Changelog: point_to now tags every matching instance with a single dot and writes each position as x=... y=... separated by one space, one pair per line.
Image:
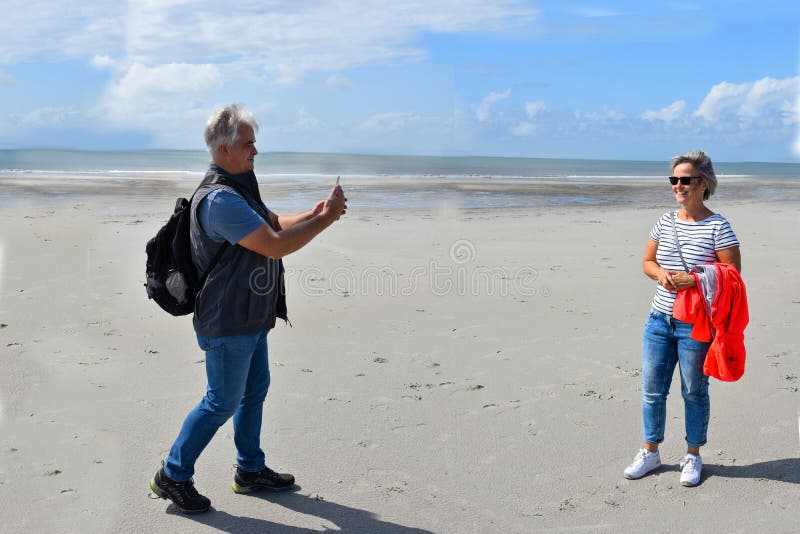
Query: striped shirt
x=698 y=241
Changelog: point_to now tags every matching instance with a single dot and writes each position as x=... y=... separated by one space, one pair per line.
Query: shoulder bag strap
x=678 y=243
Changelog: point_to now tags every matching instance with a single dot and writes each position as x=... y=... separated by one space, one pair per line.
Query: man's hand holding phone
x=336 y=204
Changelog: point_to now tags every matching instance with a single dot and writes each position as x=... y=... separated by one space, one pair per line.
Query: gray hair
x=222 y=127
x=702 y=164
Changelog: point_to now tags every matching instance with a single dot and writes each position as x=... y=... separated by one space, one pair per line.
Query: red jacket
x=729 y=317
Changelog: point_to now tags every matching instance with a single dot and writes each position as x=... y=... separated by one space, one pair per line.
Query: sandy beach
x=448 y=370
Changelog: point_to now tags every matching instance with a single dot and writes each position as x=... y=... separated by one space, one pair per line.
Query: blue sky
x=609 y=80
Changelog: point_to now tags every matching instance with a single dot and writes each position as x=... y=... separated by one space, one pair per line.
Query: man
x=236 y=307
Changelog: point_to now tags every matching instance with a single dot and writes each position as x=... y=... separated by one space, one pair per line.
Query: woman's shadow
x=787 y=470
x=347 y=520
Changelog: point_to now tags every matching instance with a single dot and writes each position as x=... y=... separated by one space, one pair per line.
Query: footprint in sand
x=567 y=506
x=530 y=428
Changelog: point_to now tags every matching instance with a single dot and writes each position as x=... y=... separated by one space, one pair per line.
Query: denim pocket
x=207 y=343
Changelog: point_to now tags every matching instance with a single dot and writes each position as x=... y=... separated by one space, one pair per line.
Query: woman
x=703 y=237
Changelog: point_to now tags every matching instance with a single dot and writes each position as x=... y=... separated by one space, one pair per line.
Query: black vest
x=245 y=291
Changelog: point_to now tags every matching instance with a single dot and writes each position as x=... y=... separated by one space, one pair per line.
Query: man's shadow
x=347 y=520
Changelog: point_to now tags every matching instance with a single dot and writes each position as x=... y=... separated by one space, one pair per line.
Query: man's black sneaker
x=182 y=494
x=266 y=479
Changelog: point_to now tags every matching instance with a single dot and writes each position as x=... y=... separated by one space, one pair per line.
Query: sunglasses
x=684 y=180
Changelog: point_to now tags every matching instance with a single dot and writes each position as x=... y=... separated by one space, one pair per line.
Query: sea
x=295 y=179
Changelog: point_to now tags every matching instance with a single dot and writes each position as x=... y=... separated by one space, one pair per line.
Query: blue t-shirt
x=225 y=216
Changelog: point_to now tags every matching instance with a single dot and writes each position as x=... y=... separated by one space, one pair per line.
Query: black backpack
x=172 y=279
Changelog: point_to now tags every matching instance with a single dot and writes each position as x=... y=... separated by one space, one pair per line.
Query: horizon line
x=367 y=154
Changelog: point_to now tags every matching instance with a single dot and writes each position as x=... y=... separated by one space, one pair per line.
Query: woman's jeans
x=238 y=379
x=667 y=342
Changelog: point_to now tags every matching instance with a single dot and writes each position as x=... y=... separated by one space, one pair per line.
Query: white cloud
x=54 y=29
x=483 y=110
x=48 y=116
x=722 y=96
x=613 y=114
x=765 y=99
x=160 y=48
x=796 y=146
x=283 y=38
x=609 y=120
x=305 y=121
x=162 y=80
x=607 y=115
x=533 y=108
x=667 y=114
x=163 y=99
x=339 y=82
x=523 y=128
x=388 y=122
x=769 y=93
x=101 y=61
x=749 y=119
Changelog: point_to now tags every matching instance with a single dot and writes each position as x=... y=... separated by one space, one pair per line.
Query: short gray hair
x=222 y=127
x=702 y=164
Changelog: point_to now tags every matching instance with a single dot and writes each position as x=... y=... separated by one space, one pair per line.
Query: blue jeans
x=238 y=379
x=667 y=342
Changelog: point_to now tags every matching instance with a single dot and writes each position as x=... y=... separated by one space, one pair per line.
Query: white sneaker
x=644 y=462
x=691 y=468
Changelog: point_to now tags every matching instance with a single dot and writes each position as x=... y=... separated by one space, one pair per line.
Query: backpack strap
x=214 y=262
x=225 y=244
